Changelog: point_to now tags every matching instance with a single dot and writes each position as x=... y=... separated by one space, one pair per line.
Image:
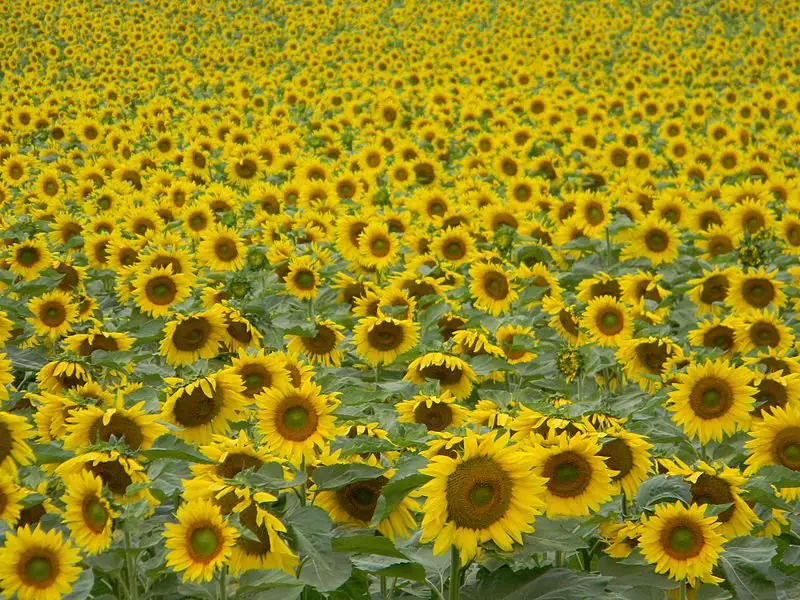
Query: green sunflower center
x=595 y=215
x=305 y=280
x=28 y=256
x=682 y=539
x=95 y=514
x=711 y=398
x=254 y=380
x=610 y=322
x=38 y=569
x=478 y=493
x=481 y=495
x=204 y=542
x=296 y=417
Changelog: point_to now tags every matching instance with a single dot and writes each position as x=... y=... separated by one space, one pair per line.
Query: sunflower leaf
x=535 y=584
x=331 y=477
x=169 y=447
x=323 y=569
x=663 y=489
x=747 y=565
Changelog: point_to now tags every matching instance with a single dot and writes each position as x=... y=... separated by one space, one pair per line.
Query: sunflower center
x=568 y=474
x=28 y=256
x=204 y=542
x=195 y=409
x=385 y=336
x=95 y=514
x=323 y=342
x=709 y=489
x=380 y=247
x=758 y=292
x=161 y=290
x=38 y=570
x=595 y=215
x=114 y=476
x=454 y=250
x=53 y=314
x=360 y=499
x=191 y=334
x=711 y=398
x=610 y=322
x=719 y=337
x=764 y=334
x=656 y=241
x=682 y=539
x=436 y=417
x=478 y=493
x=496 y=286
x=652 y=355
x=715 y=289
x=786 y=448
x=236 y=463
x=568 y=322
x=620 y=457
x=305 y=280
x=121 y=427
x=296 y=417
x=442 y=373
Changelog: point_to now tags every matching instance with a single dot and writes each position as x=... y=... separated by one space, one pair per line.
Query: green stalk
x=130 y=567
x=455 y=574
x=223 y=584
x=559 y=558
x=683 y=590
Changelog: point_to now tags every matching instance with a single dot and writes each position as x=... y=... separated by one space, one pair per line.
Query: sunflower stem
x=587 y=560
x=624 y=506
x=223 y=583
x=609 y=254
x=559 y=558
x=130 y=567
x=384 y=588
x=455 y=574
x=683 y=590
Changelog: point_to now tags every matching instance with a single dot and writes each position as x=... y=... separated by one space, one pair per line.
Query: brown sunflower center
x=719 y=336
x=114 y=476
x=323 y=342
x=247 y=168
x=652 y=356
x=225 y=249
x=620 y=457
x=255 y=378
x=120 y=427
x=711 y=398
x=191 y=334
x=682 y=540
x=758 y=292
x=568 y=322
x=786 y=448
x=305 y=280
x=6 y=442
x=70 y=277
x=770 y=394
x=360 y=499
x=495 y=285
x=442 y=373
x=454 y=250
x=95 y=515
x=764 y=334
x=709 y=489
x=99 y=342
x=385 y=336
x=436 y=417
x=478 y=493
x=610 y=321
x=237 y=462
x=38 y=570
x=656 y=240
x=719 y=244
x=204 y=543
x=161 y=290
x=296 y=419
x=52 y=314
x=28 y=256
x=568 y=474
x=195 y=408
x=715 y=289
x=609 y=287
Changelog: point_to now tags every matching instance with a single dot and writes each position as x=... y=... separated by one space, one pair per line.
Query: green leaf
x=82 y=588
x=663 y=489
x=323 y=569
x=170 y=447
x=780 y=476
x=746 y=563
x=391 y=567
x=331 y=477
x=50 y=453
x=484 y=365
x=395 y=491
x=363 y=444
x=269 y=584
x=549 y=536
x=535 y=584
x=366 y=544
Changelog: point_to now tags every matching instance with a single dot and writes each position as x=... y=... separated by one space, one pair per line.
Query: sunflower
x=259 y=372
x=775 y=390
x=488 y=493
x=263 y=548
x=643 y=360
x=577 y=478
x=157 y=290
x=380 y=340
x=712 y=399
x=115 y=470
x=473 y=342
x=715 y=333
x=297 y=420
x=682 y=542
x=38 y=565
x=516 y=342
x=454 y=245
x=776 y=441
x=53 y=313
x=718 y=240
x=377 y=248
x=303 y=280
x=453 y=374
x=710 y=290
x=435 y=412
x=29 y=258
x=205 y=406
x=653 y=238
x=628 y=454
x=716 y=484
x=60 y=375
x=492 y=288
x=88 y=514
x=754 y=291
x=11 y=497
x=322 y=347
x=222 y=249
x=200 y=542
x=94 y=424
x=188 y=338
x=593 y=212
x=356 y=502
x=608 y=321
x=15 y=431
x=563 y=320
x=762 y=331
x=84 y=344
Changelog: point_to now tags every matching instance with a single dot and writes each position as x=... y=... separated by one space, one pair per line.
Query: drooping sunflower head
x=453 y=374
x=435 y=412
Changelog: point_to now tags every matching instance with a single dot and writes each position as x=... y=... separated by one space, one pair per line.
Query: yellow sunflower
x=222 y=249
x=95 y=424
x=321 y=348
x=15 y=431
x=200 y=542
x=453 y=374
x=84 y=344
x=38 y=564
x=259 y=372
x=607 y=321
x=157 y=290
x=88 y=514
x=297 y=421
x=754 y=290
x=380 y=340
x=378 y=248
x=205 y=406
x=263 y=548
x=492 y=288
x=435 y=412
x=488 y=493
x=717 y=333
x=515 y=340
x=712 y=399
x=29 y=258
x=682 y=542
x=188 y=338
x=577 y=478
x=762 y=331
x=643 y=360
x=776 y=441
x=302 y=280
x=54 y=313
x=115 y=470
x=11 y=497
x=653 y=238
x=628 y=454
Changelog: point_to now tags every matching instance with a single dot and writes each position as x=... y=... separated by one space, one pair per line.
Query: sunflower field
x=400 y=299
